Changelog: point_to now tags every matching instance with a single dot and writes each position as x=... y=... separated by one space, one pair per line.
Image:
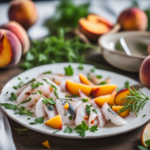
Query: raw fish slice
x=80 y=114
x=65 y=114
x=33 y=109
x=94 y=104
x=50 y=113
x=92 y=117
x=111 y=116
x=39 y=108
x=101 y=119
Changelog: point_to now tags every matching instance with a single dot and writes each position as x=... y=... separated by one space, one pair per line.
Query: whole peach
x=145 y=72
x=10 y=49
x=23 y=12
x=133 y=19
x=20 y=32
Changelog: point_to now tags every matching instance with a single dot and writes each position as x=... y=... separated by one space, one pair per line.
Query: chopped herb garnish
x=80 y=67
x=88 y=76
x=56 y=94
x=32 y=80
x=69 y=70
x=29 y=99
x=102 y=83
x=94 y=110
x=48 y=101
x=35 y=85
x=18 y=86
x=84 y=99
x=56 y=131
x=39 y=120
x=13 y=96
x=70 y=117
x=26 y=77
x=109 y=120
x=98 y=77
x=81 y=129
x=93 y=129
x=93 y=69
x=20 y=131
x=68 y=130
x=39 y=91
x=9 y=106
x=19 y=78
x=54 y=87
x=71 y=96
x=28 y=119
x=7 y=92
x=47 y=72
x=88 y=109
x=144 y=115
x=65 y=113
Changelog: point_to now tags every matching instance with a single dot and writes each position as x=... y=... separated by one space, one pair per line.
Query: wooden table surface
x=32 y=140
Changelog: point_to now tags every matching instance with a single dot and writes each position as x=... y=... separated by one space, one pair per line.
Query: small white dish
x=137 y=43
x=108 y=130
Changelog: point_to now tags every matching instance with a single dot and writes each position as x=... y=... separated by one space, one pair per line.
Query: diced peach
x=10 y=49
x=55 y=122
x=24 y=12
x=119 y=97
x=99 y=19
x=46 y=144
x=145 y=72
x=74 y=87
x=133 y=19
x=91 y=29
x=105 y=98
x=85 y=80
x=103 y=90
x=123 y=114
x=20 y=32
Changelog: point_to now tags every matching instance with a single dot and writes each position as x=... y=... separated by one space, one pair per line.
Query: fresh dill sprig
x=135 y=101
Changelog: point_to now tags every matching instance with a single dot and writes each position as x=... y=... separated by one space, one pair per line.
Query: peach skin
x=103 y=90
x=123 y=114
x=20 y=32
x=133 y=19
x=55 y=122
x=10 y=49
x=119 y=97
x=74 y=87
x=85 y=80
x=24 y=12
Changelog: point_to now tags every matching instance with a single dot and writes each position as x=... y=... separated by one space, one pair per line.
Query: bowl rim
x=100 y=43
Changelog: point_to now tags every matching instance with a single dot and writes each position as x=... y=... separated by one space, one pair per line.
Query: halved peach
x=103 y=90
x=123 y=114
x=85 y=80
x=119 y=97
x=91 y=29
x=97 y=18
x=74 y=87
x=55 y=122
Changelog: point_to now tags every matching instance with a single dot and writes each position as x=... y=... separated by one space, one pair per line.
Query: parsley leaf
x=93 y=69
x=56 y=94
x=29 y=99
x=35 y=85
x=102 y=83
x=9 y=106
x=69 y=70
x=20 y=131
x=94 y=110
x=98 y=76
x=84 y=99
x=144 y=115
x=148 y=143
x=88 y=109
x=56 y=131
x=93 y=129
x=68 y=130
x=48 y=101
x=47 y=72
x=88 y=76
x=39 y=120
x=80 y=67
x=70 y=117
x=142 y=148
x=13 y=96
x=81 y=129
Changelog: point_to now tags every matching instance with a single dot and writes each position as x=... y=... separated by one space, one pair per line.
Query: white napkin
x=6 y=139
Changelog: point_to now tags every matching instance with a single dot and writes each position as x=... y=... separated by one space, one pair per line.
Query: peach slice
x=123 y=114
x=103 y=90
x=85 y=80
x=46 y=144
x=145 y=135
x=91 y=29
x=74 y=87
x=10 y=49
x=121 y=94
x=99 y=19
x=55 y=122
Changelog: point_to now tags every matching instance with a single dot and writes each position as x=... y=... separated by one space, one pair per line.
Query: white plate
x=107 y=131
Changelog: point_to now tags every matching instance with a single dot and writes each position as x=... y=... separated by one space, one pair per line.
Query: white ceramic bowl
x=135 y=40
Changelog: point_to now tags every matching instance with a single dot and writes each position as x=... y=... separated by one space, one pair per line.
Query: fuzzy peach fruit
x=119 y=98
x=10 y=49
x=145 y=72
x=74 y=87
x=123 y=114
x=20 y=32
x=23 y=12
x=103 y=90
x=133 y=19
x=55 y=122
